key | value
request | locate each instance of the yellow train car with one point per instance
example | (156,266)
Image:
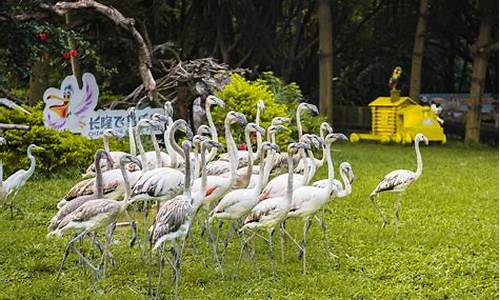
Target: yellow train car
(398,119)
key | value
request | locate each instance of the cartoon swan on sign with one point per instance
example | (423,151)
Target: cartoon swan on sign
(68,107)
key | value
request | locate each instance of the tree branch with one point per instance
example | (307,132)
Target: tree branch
(144,56)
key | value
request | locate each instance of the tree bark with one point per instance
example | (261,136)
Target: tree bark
(39,80)
(325,59)
(480,53)
(418,50)
(144,56)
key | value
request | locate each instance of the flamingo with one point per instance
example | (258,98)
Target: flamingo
(162,183)
(210,101)
(12,185)
(398,181)
(93,215)
(278,185)
(272,212)
(150,159)
(307,200)
(173,221)
(238,203)
(112,183)
(218,186)
(244,174)
(324,127)
(241,155)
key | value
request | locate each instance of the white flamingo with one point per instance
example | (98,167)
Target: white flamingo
(218,186)
(12,185)
(173,222)
(307,200)
(209,102)
(399,180)
(93,215)
(272,212)
(238,203)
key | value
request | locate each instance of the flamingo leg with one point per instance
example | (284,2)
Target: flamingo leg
(323,228)
(84,259)
(271,251)
(160,269)
(304,246)
(397,211)
(229,237)
(384,219)
(243,243)
(282,242)
(211,241)
(109,235)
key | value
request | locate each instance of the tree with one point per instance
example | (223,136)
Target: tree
(418,49)
(325,59)
(480,51)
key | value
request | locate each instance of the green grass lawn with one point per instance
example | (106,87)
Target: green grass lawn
(447,246)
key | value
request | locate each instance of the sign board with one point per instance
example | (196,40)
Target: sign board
(71,108)
(117,120)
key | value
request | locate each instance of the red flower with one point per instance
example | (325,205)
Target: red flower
(243,147)
(73,52)
(66,55)
(43,36)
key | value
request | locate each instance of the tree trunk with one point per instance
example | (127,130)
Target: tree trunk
(480,53)
(75,61)
(418,49)
(325,59)
(39,80)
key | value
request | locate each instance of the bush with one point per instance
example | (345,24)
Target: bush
(64,151)
(280,100)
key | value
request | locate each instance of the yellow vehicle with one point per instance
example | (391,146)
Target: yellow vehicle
(399,119)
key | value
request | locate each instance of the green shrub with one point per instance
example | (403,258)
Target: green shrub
(64,151)
(280,100)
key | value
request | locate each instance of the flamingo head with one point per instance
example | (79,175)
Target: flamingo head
(236,117)
(280,121)
(212,100)
(421,138)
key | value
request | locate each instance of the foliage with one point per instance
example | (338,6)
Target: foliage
(446,248)
(62,150)
(280,100)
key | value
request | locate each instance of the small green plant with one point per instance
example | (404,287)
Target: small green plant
(280,100)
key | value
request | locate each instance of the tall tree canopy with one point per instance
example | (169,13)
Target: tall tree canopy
(369,38)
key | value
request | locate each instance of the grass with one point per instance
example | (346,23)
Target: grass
(447,246)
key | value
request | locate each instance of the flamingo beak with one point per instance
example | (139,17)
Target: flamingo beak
(61,109)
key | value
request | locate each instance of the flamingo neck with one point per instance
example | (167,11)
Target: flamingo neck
(331,170)
(131,138)
(177,150)
(305,173)
(213,130)
(197,165)
(250,156)
(98,177)
(141,147)
(203,164)
(187,173)
(299,123)
(419,159)
(289,186)
(156,147)
(126,182)
(259,136)
(347,185)
(168,146)
(262,172)
(231,149)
